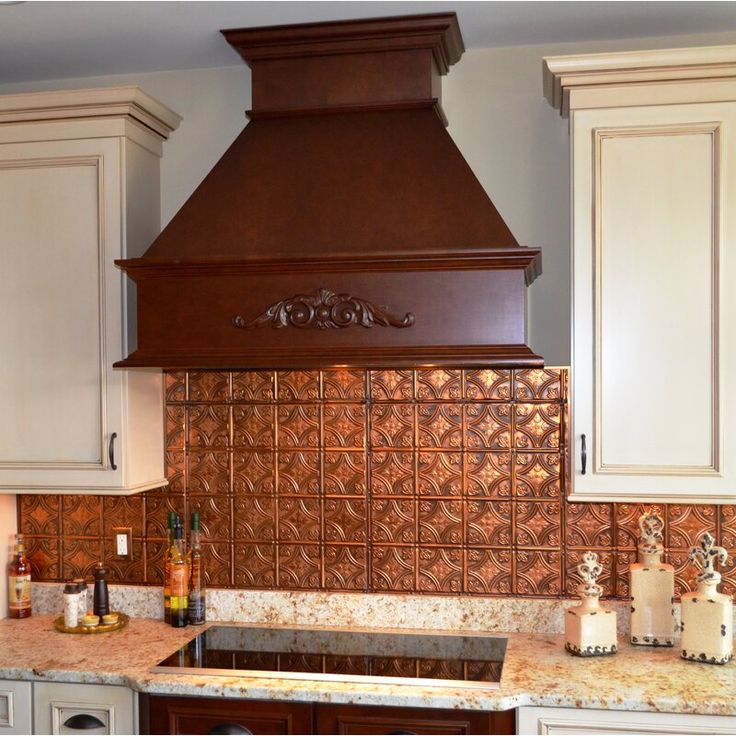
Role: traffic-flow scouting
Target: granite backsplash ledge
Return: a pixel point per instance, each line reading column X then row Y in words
column 429, row 481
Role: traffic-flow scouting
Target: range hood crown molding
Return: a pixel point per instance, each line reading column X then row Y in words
column 438, row 32
column 343, row 201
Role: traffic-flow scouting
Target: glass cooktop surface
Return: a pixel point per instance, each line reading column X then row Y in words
column 457, row 660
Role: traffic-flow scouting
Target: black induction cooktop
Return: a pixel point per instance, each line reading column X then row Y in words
column 399, row 658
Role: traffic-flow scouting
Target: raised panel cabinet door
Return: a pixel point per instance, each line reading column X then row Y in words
column 359, row 719
column 654, row 314
column 61, row 228
column 15, row 707
column 63, row 708
column 175, row 715
column 562, row 721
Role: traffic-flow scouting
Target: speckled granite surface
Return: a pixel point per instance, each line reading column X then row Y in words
column 536, row 672
column 349, row 609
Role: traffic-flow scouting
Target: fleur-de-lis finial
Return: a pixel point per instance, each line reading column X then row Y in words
column 651, row 526
column 705, row 557
column 589, row 570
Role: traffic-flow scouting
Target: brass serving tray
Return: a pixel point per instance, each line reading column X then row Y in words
column 99, row 629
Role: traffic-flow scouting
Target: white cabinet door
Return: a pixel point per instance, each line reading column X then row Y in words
column 15, row 707
column 75, row 194
column 563, row 721
column 60, row 229
column 654, row 255
column 64, row 708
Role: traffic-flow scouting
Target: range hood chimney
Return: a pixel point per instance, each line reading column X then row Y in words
column 342, row 227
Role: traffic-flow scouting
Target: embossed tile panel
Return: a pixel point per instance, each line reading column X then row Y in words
column 429, row 481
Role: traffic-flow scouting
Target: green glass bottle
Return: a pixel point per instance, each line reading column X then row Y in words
column 179, row 593
column 167, row 565
column 196, row 573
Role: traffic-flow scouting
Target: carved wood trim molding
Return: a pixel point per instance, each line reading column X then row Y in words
column 373, row 356
column 323, row 309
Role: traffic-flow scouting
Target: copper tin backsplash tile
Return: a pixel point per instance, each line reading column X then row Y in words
column 428, row 481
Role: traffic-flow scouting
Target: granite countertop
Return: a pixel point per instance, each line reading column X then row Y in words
column 537, row 671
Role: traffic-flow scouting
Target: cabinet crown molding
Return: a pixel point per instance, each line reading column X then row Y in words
column 113, row 102
column 563, row 76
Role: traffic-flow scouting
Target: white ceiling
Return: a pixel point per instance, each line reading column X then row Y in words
column 49, row 40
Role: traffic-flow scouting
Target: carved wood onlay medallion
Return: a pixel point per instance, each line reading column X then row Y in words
column 323, row 310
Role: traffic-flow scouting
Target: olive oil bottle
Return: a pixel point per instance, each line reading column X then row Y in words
column 167, row 565
column 179, row 581
column 196, row 573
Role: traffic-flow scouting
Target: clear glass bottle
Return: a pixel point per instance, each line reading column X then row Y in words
column 197, row 596
column 19, row 581
column 707, row 615
column 179, row 581
column 652, row 588
column 173, row 518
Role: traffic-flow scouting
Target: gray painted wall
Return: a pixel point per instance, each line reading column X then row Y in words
column 514, row 141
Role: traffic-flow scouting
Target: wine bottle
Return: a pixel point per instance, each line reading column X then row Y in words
column 19, row 581
column 167, row 566
column 196, row 573
column 179, row 581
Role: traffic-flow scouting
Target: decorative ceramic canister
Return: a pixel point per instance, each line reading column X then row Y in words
column 590, row 629
column 707, row 615
column 652, row 588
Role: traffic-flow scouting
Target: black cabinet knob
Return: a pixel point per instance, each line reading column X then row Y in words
column 228, row 728
column 83, row 722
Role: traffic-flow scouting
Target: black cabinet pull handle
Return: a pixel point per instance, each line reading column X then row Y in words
column 583, row 454
column 402, row 732
column 84, row 722
column 228, row 728
column 111, row 451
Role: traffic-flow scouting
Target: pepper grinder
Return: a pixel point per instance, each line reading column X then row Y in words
column 590, row 629
column 101, row 601
column 652, row 588
column 707, row 615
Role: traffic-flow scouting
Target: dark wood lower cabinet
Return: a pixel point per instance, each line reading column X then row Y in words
column 181, row 715
column 370, row 719
column 173, row 715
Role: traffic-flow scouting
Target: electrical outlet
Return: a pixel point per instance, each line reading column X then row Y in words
column 123, row 541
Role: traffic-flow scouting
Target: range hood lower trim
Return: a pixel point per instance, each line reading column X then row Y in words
column 439, row 356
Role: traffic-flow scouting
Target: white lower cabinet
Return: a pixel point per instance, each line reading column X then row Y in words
column 66, row 708
column 559, row 721
column 15, row 707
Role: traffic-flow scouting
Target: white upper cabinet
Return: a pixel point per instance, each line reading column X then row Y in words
column 79, row 188
column 653, row 375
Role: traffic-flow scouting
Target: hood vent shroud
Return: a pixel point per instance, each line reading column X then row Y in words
column 342, row 227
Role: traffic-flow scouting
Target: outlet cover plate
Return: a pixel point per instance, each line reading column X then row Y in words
column 122, row 537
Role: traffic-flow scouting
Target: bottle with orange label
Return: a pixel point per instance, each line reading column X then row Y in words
column 19, row 581
column 178, row 581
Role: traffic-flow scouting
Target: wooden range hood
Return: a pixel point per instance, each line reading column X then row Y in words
column 342, row 227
